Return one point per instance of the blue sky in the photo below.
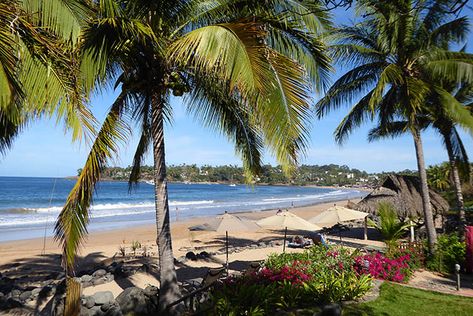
(44, 149)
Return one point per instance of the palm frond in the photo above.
(141, 114)
(455, 110)
(355, 117)
(391, 75)
(216, 108)
(233, 51)
(71, 224)
(454, 31)
(449, 66)
(390, 129)
(63, 17)
(284, 111)
(348, 87)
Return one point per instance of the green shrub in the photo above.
(389, 225)
(449, 251)
(316, 276)
(416, 253)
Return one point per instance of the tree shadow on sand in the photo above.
(26, 274)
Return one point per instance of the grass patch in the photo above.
(400, 300)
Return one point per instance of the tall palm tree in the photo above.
(398, 57)
(38, 74)
(245, 68)
(457, 154)
(435, 115)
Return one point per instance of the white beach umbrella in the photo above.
(227, 223)
(285, 220)
(338, 214)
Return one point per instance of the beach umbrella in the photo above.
(227, 223)
(338, 214)
(285, 220)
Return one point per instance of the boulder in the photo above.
(103, 297)
(99, 273)
(36, 291)
(105, 307)
(152, 292)
(25, 295)
(98, 281)
(109, 277)
(134, 301)
(85, 278)
(88, 301)
(15, 293)
(95, 311)
(191, 256)
(114, 311)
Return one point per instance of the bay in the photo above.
(29, 206)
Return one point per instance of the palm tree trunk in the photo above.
(169, 290)
(427, 206)
(456, 179)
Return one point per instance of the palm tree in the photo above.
(457, 155)
(389, 226)
(399, 56)
(245, 69)
(438, 176)
(38, 76)
(446, 126)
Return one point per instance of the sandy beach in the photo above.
(26, 260)
(106, 244)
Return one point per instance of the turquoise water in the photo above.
(29, 206)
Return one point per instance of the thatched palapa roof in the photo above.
(403, 192)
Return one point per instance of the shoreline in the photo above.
(119, 225)
(105, 244)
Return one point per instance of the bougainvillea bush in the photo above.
(317, 276)
(381, 267)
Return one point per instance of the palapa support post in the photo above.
(226, 247)
(284, 241)
(365, 234)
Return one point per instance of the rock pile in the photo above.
(132, 301)
(17, 293)
(231, 249)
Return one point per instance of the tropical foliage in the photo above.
(439, 177)
(439, 119)
(246, 69)
(332, 174)
(287, 281)
(398, 57)
(450, 251)
(38, 72)
(389, 225)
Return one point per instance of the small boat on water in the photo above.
(232, 185)
(150, 182)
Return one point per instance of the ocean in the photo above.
(29, 206)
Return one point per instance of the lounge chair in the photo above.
(253, 267)
(299, 242)
(198, 292)
(212, 275)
